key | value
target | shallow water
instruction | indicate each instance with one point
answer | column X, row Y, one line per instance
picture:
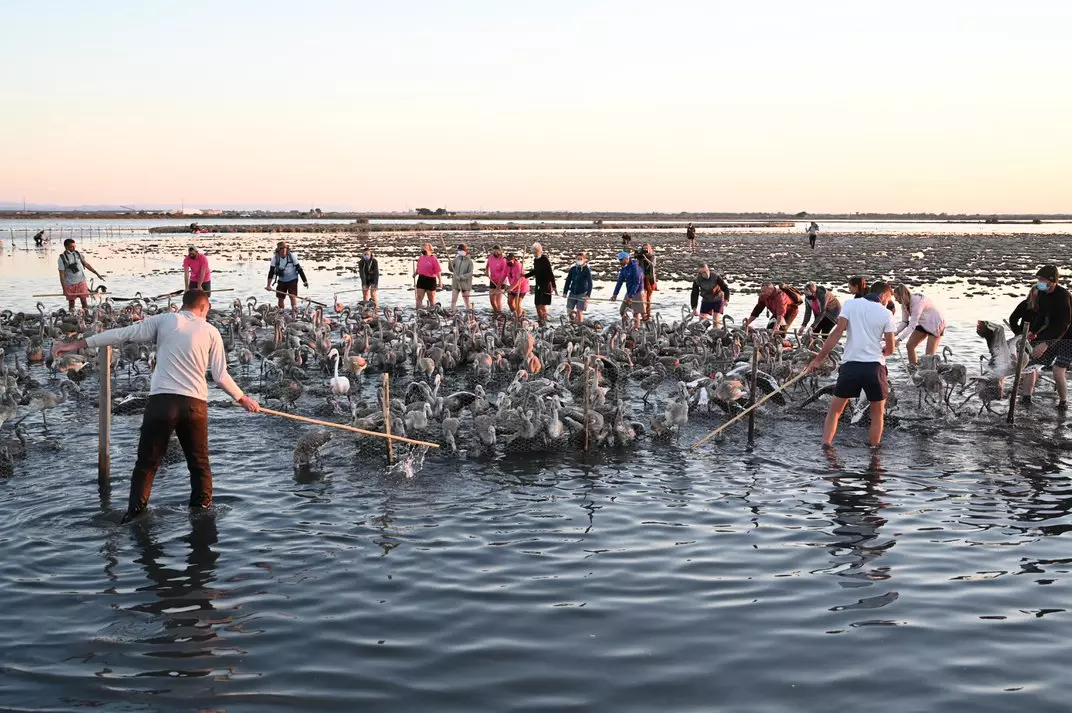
column 928, row 576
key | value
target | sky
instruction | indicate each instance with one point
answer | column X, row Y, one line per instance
column 823, row 106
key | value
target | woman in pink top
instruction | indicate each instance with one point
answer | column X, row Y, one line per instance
column 517, row 285
column 195, row 270
column 496, row 268
column 429, row 276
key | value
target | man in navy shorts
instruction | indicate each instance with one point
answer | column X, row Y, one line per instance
column 870, row 330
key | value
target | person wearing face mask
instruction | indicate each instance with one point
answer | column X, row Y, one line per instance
column 496, row 269
column 462, row 268
column 711, row 293
column 822, row 303
column 544, row 282
column 369, row 272
column 578, row 287
column 1053, row 320
column 870, row 330
column 920, row 319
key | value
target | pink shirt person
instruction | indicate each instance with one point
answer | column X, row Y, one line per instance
column 428, row 266
column 496, row 269
column 515, row 280
column 198, row 266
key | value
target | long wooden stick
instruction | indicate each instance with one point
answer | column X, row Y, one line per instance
column 747, row 411
column 1021, row 353
column 362, row 431
column 280, row 292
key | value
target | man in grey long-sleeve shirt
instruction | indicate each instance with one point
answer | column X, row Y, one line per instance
column 186, row 347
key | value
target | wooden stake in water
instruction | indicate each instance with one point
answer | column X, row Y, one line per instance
column 104, row 427
column 587, row 396
column 387, row 417
column 752, row 398
column 1011, row 418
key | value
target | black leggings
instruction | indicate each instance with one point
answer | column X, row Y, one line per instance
column 188, row 418
column 823, row 326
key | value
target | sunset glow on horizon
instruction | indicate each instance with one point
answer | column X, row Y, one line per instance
column 769, row 106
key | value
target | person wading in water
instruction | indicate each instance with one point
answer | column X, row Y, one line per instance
column 186, row 347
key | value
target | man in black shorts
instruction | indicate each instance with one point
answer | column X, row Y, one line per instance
column 286, row 269
column 1055, row 345
column 863, row 368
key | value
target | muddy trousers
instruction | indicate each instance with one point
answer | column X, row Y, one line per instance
column 187, row 417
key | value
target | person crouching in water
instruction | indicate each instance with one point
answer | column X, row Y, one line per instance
column 517, row 286
column 578, row 288
column 632, row 276
column 822, row 303
column 711, row 292
column 1052, row 329
column 369, row 272
column 782, row 307
column 920, row 320
column 869, row 326
column 462, row 268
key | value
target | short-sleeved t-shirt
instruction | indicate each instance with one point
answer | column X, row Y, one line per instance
column 71, row 277
column 286, row 267
column 198, row 265
column 428, row 266
column 869, row 322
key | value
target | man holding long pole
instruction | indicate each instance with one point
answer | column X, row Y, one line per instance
column 186, row 346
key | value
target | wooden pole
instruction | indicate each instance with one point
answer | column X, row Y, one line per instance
column 104, row 425
column 1011, row 418
column 752, row 397
column 587, row 363
column 343, row 427
column 387, row 416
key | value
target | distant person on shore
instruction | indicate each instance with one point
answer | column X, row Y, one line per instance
column 690, row 236
column 286, row 270
column 462, row 269
column 646, row 257
column 710, row 293
column 543, row 282
column 627, row 240
column 72, row 266
column 39, row 239
column 824, row 305
column 195, row 272
column 517, row 286
column 186, row 347
column 1054, row 335
column 632, row 276
column 369, row 272
column 863, row 366
column 429, row 274
column 782, row 304
column 813, row 234
column 920, row 319
column 578, row 288
column 496, row 269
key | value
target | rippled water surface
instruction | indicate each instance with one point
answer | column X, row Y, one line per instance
column 927, row 576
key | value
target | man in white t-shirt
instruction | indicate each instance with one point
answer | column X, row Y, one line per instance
column 870, row 329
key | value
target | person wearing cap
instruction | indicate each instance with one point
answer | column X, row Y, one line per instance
column 462, row 268
column 920, row 319
column 195, row 272
column 578, row 287
column 632, row 276
column 369, row 272
column 496, row 269
column 544, row 282
column 286, row 269
column 869, row 326
column 1053, row 335
column 517, row 286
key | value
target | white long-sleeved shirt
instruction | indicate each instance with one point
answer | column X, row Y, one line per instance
column 186, row 347
column 921, row 313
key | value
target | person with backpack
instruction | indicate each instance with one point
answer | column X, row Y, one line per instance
column 286, row 269
column 369, row 272
column 578, row 288
column 72, row 266
column 783, row 303
column 711, row 293
column 632, row 276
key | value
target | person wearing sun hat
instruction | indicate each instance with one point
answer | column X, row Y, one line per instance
column 195, row 272
column 1052, row 342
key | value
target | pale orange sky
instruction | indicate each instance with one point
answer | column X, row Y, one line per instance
column 824, row 106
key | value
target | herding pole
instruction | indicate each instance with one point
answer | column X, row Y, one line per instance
column 104, row 427
column 1011, row 418
column 752, row 397
column 387, row 417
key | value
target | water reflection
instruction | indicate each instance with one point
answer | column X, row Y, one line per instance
column 858, row 501
column 182, row 597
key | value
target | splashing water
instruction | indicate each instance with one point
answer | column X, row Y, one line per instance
column 410, row 464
